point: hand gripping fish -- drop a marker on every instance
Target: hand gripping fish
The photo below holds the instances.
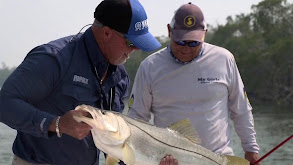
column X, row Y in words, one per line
column 136, row 142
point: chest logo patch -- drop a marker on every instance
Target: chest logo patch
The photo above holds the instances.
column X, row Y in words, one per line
column 80, row 79
column 208, row 80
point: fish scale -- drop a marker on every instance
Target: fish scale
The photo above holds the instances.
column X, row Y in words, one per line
column 161, row 141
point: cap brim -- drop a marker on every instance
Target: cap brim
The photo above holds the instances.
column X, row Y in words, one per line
column 187, row 35
column 146, row 42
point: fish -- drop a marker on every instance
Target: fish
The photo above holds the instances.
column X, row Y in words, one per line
column 137, row 142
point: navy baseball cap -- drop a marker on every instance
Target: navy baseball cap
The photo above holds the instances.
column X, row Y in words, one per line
column 129, row 18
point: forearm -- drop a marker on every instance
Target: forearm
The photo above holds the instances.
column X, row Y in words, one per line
column 29, row 85
column 244, row 126
column 23, row 117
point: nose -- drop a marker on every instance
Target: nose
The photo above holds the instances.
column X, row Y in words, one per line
column 185, row 48
column 131, row 49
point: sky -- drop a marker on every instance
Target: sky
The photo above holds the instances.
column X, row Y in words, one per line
column 29, row 23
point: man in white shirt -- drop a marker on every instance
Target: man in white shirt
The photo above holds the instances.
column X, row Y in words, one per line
column 196, row 80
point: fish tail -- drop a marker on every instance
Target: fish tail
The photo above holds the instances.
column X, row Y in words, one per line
column 234, row 160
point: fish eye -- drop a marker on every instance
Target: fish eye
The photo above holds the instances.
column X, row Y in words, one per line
column 89, row 115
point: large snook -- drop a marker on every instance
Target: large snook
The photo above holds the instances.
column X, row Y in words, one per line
column 139, row 143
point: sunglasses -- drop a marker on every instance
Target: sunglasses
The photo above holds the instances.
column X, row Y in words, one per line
column 190, row 44
column 128, row 43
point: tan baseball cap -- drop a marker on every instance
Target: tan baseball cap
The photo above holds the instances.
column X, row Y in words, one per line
column 188, row 24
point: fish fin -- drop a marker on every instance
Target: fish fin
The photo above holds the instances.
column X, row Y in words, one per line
column 111, row 160
column 234, row 160
column 185, row 128
column 128, row 155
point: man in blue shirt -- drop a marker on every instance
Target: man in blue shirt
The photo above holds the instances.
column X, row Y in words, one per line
column 39, row 97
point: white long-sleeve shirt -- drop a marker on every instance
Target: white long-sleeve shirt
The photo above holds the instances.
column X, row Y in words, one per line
column 207, row 91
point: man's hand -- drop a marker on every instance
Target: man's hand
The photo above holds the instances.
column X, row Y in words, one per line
column 168, row 160
column 71, row 127
column 252, row 157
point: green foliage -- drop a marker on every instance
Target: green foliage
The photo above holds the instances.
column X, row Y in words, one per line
column 4, row 73
column 262, row 45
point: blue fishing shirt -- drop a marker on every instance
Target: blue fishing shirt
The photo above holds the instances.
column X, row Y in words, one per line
column 53, row 79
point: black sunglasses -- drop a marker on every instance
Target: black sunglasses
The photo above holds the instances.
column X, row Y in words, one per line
column 190, row 44
column 128, row 43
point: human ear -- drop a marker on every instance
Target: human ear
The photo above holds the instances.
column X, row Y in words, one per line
column 169, row 30
column 107, row 33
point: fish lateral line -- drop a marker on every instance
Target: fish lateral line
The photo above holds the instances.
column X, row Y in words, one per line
column 171, row 145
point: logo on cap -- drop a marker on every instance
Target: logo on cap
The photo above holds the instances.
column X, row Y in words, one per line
column 141, row 25
column 189, row 21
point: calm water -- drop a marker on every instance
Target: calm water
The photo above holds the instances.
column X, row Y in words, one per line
column 271, row 129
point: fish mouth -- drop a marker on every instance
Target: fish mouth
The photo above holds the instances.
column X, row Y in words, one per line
column 100, row 117
column 108, row 128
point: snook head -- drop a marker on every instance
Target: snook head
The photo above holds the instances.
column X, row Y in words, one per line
column 107, row 128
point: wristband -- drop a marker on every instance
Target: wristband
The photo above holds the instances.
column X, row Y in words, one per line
column 59, row 134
